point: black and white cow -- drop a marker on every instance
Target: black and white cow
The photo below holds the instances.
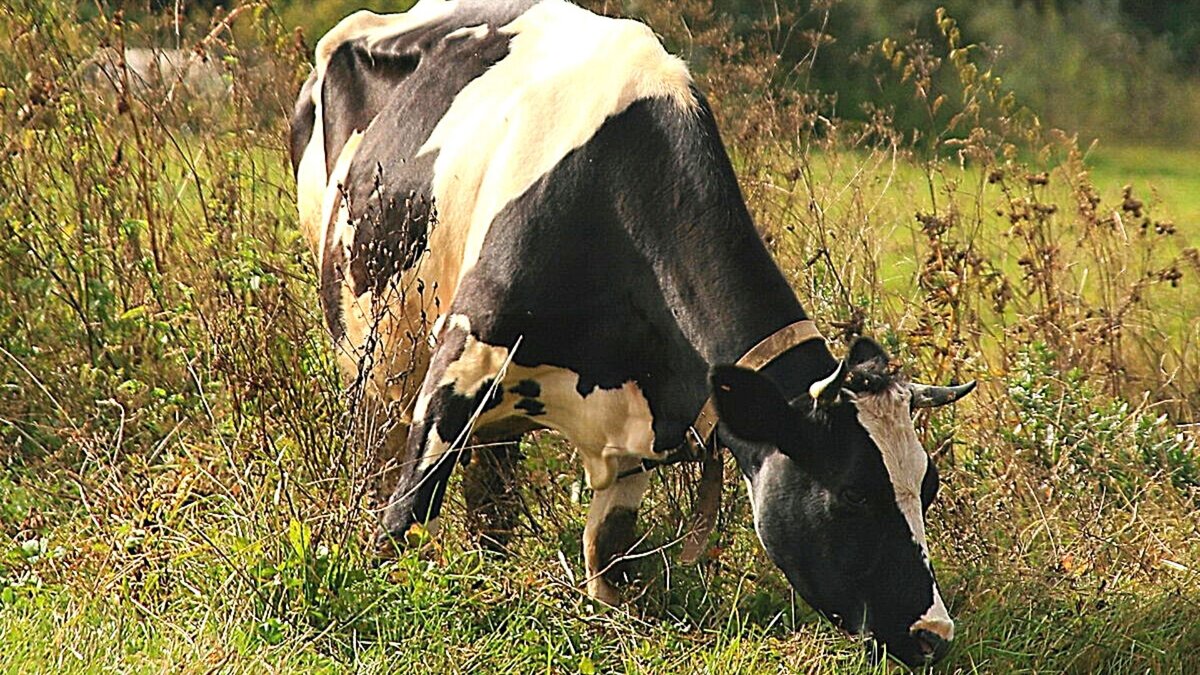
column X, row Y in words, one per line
column 524, row 218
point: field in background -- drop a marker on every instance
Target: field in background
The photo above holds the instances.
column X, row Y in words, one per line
column 183, row 474
column 1170, row 174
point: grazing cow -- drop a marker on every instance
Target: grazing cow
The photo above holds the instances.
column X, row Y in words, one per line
column 159, row 70
column 524, row 218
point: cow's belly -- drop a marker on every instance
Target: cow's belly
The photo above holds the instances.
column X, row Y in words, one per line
column 604, row 426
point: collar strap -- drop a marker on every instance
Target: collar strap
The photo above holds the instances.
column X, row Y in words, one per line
column 760, row 355
column 708, row 493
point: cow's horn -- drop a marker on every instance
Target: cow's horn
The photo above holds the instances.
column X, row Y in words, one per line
column 826, row 390
column 930, row 396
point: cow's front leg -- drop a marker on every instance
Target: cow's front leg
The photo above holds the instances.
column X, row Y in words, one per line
column 420, row 486
column 460, row 386
column 609, row 534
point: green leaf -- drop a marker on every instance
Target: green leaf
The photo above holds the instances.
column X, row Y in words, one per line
column 299, row 535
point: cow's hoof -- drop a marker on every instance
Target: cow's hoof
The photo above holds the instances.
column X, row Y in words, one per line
column 600, row 590
column 389, row 544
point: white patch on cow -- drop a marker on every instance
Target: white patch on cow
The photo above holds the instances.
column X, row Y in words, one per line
column 437, row 328
column 478, row 364
column 753, row 506
column 606, row 425
column 310, row 185
column 375, row 27
column 887, row 419
column 421, row 407
column 335, row 203
column 476, row 32
column 566, row 72
column 435, row 449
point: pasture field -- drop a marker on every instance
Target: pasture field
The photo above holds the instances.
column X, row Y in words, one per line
column 184, row 476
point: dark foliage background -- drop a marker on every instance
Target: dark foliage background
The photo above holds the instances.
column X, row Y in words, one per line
column 1127, row 68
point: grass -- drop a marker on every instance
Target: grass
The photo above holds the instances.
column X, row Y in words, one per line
column 184, row 472
column 182, row 598
column 1168, row 174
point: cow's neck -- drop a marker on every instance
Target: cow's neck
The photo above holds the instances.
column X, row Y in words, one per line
column 716, row 275
column 731, row 295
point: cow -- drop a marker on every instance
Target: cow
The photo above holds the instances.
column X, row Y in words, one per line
column 524, row 218
column 157, row 69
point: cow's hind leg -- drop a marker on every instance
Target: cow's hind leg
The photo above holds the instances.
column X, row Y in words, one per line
column 490, row 489
column 609, row 534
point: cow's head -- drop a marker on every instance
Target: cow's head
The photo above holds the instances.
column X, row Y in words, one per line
column 839, row 485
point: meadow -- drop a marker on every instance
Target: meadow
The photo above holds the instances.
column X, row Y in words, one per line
column 185, row 476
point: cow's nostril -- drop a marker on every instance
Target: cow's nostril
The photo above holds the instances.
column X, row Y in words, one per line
column 931, row 646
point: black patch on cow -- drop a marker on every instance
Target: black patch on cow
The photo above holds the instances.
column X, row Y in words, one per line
column 531, row 406
column 303, row 119
column 615, row 537
column 360, row 81
column 527, row 388
column 456, row 412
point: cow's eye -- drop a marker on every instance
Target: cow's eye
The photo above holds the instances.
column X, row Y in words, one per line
column 854, row 497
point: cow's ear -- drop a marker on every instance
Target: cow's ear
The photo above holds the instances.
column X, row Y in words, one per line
column 750, row 405
column 865, row 350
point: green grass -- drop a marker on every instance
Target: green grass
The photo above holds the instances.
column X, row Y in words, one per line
column 1169, row 176
column 183, row 600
